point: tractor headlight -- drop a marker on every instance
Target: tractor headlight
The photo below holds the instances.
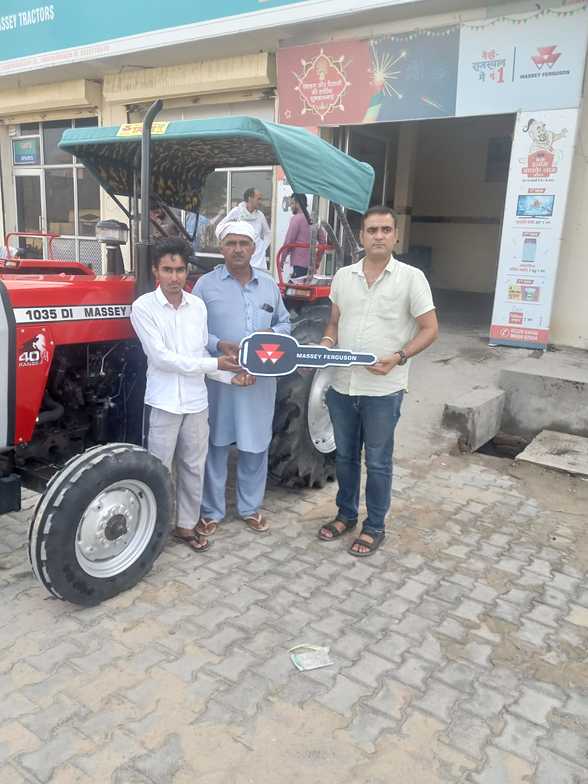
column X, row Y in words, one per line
column 112, row 232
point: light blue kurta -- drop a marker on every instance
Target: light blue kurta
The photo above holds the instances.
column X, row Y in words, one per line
column 241, row 415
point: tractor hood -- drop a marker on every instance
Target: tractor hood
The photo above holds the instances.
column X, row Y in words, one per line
column 42, row 298
column 185, row 152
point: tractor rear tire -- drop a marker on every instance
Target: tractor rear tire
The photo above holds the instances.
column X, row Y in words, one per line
column 294, row 459
column 101, row 523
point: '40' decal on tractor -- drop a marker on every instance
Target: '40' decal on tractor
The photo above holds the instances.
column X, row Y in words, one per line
column 270, row 354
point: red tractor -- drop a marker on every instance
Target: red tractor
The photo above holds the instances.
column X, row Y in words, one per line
column 72, row 372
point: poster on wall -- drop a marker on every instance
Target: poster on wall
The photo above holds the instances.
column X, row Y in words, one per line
column 413, row 76
column 400, row 77
column 520, row 62
column 325, row 84
column 538, row 184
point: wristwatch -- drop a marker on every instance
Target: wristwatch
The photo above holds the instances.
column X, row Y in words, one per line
column 403, row 357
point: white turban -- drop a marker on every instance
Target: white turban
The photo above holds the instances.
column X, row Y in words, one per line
column 235, row 227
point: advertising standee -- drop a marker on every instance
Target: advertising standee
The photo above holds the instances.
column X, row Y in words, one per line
column 540, row 170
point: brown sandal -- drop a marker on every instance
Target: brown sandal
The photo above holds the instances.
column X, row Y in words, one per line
column 194, row 542
column 206, row 527
column 257, row 522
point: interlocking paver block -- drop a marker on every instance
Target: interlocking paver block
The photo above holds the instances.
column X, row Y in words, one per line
column 395, row 607
column 439, row 699
column 578, row 616
column 392, row 699
column 563, row 582
column 533, row 633
column 485, row 703
column 468, row 734
column 413, row 672
column 413, row 626
column 412, row 590
column 504, row 768
column 369, row 669
column 392, row 646
column 344, row 695
column 367, row 726
column 502, row 679
column 163, row 763
column 246, row 695
column 351, row 644
column 520, row 737
column 535, row 706
column 460, row 676
column 553, row 768
column 570, row 744
column 64, row 745
column 453, row 629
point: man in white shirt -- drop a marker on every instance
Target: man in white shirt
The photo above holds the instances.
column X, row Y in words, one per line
column 385, row 307
column 249, row 211
column 172, row 327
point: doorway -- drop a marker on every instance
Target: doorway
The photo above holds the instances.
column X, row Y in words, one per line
column 450, row 199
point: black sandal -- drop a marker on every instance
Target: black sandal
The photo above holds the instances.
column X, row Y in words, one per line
column 334, row 530
column 372, row 546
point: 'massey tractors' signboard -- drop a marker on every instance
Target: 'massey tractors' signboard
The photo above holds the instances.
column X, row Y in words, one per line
column 39, row 35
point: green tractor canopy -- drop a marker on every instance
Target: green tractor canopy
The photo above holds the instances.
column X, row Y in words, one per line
column 185, row 152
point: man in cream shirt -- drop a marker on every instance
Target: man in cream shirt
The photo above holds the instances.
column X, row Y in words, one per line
column 172, row 327
column 382, row 306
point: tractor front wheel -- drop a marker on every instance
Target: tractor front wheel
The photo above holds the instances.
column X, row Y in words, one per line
column 101, row 523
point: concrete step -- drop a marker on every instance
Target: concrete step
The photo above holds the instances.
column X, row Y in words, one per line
column 559, row 451
column 476, row 416
column 548, row 392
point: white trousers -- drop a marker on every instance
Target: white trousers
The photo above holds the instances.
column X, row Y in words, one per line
column 182, row 438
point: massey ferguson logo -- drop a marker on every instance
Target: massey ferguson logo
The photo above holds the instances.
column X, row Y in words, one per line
column 547, row 56
column 33, row 352
column 270, row 352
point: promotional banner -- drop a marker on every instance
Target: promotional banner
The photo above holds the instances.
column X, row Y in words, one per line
column 408, row 76
column 504, row 65
column 538, row 184
column 522, row 62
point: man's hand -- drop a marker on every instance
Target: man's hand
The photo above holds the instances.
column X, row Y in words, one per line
column 229, row 363
column 243, row 379
column 384, row 366
column 228, row 349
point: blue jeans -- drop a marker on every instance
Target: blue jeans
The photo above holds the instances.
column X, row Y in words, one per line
column 364, row 421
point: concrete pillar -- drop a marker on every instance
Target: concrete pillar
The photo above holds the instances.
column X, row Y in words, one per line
column 404, row 183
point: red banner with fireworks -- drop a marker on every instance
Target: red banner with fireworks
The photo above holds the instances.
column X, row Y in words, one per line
column 400, row 77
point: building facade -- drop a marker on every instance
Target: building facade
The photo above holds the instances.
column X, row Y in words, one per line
column 471, row 116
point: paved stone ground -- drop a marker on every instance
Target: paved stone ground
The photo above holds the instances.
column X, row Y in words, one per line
column 460, row 648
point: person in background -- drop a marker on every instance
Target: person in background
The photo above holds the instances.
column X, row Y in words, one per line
column 249, row 212
column 240, row 300
column 171, row 325
column 299, row 230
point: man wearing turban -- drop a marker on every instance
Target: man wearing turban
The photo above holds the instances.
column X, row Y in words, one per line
column 240, row 300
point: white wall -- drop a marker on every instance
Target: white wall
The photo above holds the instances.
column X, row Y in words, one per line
column 569, row 323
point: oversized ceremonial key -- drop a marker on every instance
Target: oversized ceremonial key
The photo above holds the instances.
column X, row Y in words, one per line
column 270, row 354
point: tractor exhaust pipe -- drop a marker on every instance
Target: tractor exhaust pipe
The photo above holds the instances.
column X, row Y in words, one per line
column 144, row 279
